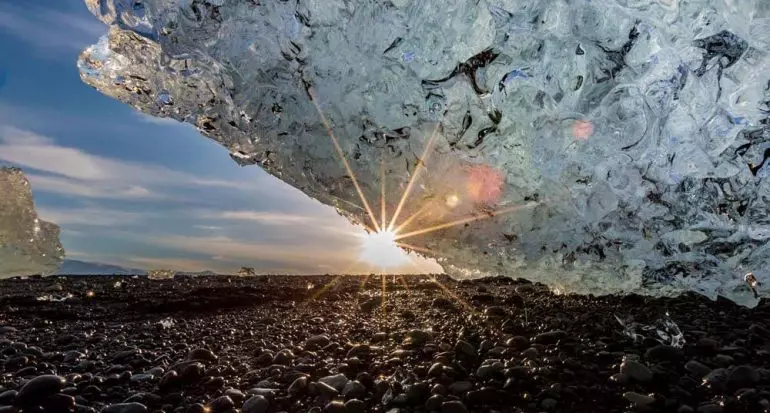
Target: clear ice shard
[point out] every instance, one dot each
(636, 131)
(28, 245)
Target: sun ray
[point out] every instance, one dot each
(411, 218)
(383, 211)
(406, 284)
(363, 282)
(452, 295)
(331, 283)
(341, 155)
(384, 292)
(420, 165)
(461, 221)
(325, 288)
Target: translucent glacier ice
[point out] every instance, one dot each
(637, 131)
(28, 245)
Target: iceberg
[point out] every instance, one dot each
(615, 146)
(28, 245)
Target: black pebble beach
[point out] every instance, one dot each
(335, 344)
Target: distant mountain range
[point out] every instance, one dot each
(75, 267)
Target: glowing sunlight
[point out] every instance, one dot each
(380, 249)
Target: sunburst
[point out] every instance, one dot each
(385, 237)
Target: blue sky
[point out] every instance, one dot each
(143, 192)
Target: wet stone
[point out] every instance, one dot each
(550, 337)
(663, 352)
(202, 354)
(337, 381)
(710, 408)
(742, 376)
(453, 406)
(256, 404)
(353, 389)
(636, 371)
(222, 403)
(638, 399)
(125, 408)
(7, 397)
(283, 357)
(39, 388)
(196, 408)
(335, 407)
(355, 406)
(698, 369)
(59, 403)
(317, 342)
(298, 386)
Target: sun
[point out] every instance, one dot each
(380, 249)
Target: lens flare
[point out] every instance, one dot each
(485, 184)
(582, 130)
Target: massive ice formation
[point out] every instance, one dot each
(28, 246)
(636, 131)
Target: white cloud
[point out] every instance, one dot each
(52, 32)
(208, 227)
(73, 171)
(238, 250)
(265, 217)
(68, 186)
(92, 217)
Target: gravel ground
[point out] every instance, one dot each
(290, 344)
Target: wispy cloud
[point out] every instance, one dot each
(264, 217)
(66, 170)
(67, 186)
(235, 250)
(92, 217)
(52, 32)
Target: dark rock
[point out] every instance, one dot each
(197, 408)
(7, 397)
(298, 386)
(663, 352)
(337, 381)
(39, 388)
(59, 403)
(742, 376)
(636, 371)
(222, 403)
(698, 370)
(335, 407)
(710, 408)
(317, 342)
(550, 337)
(125, 408)
(434, 402)
(353, 389)
(256, 404)
(355, 406)
(453, 406)
(638, 399)
(716, 379)
(202, 354)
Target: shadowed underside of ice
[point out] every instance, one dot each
(28, 246)
(634, 131)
